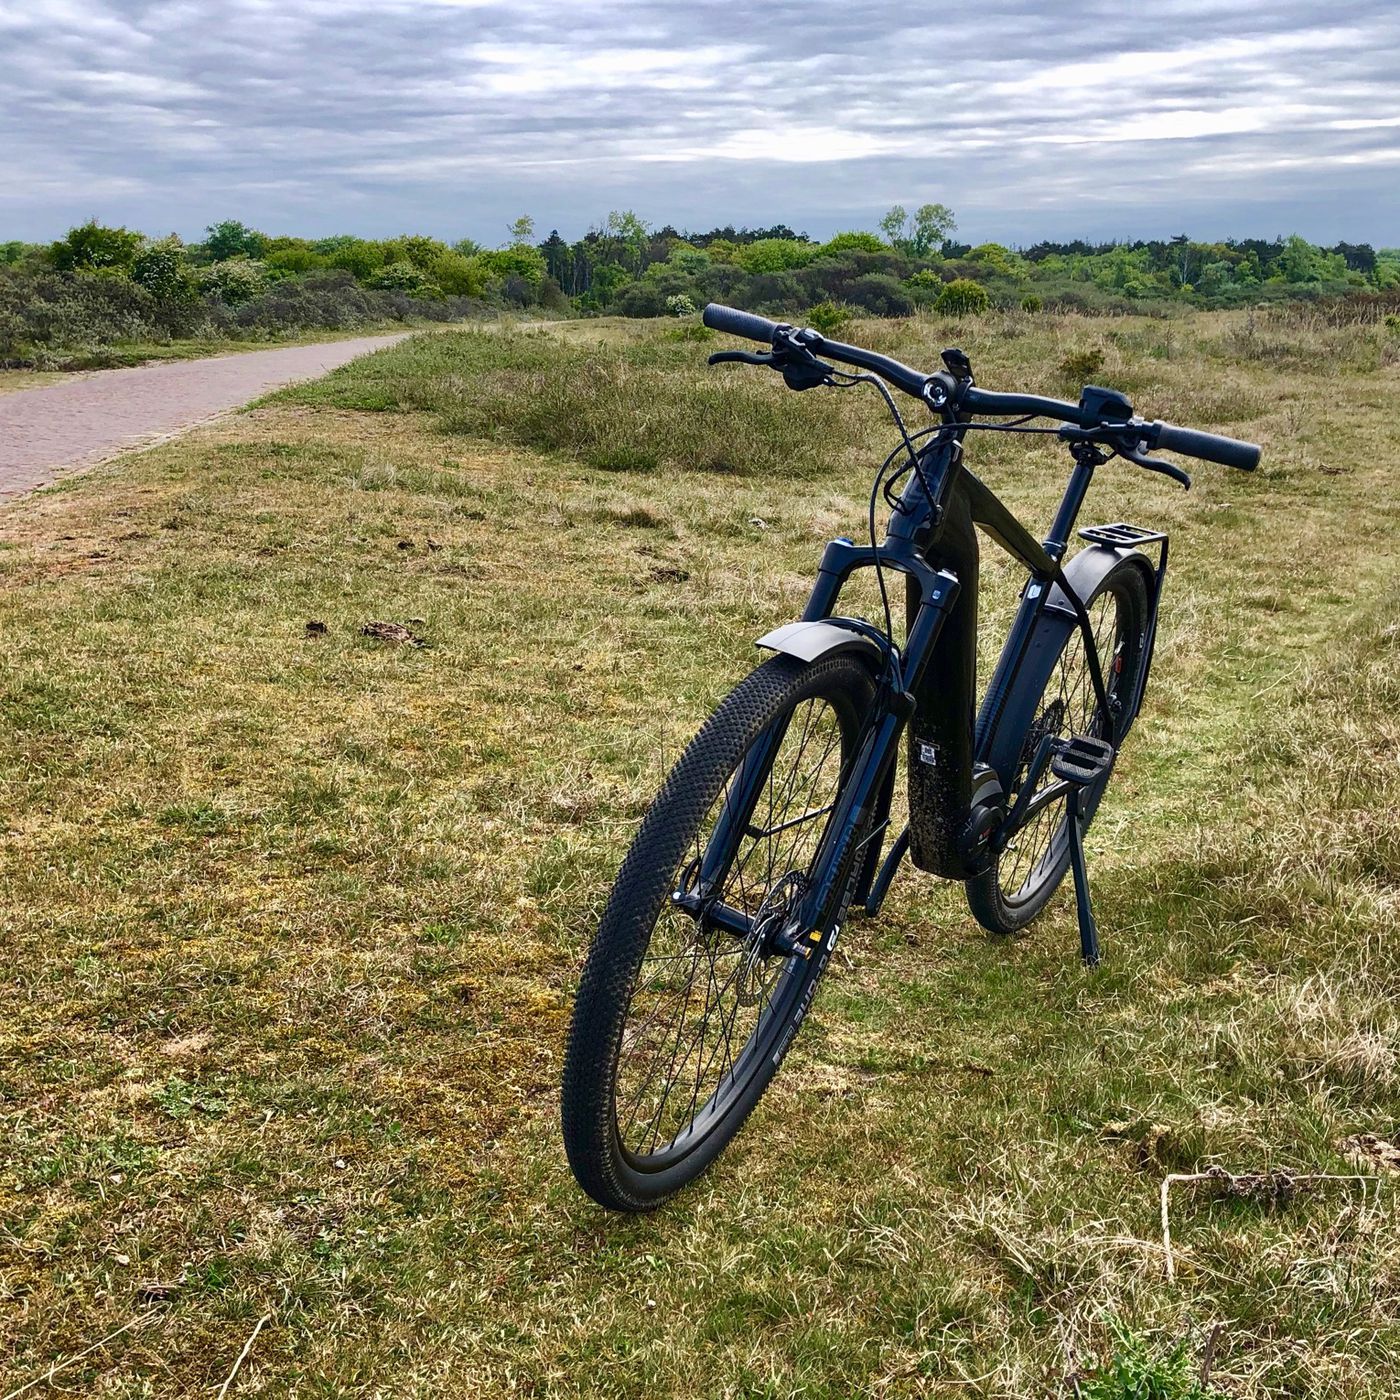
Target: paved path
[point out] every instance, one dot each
(48, 432)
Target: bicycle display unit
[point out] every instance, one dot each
(775, 820)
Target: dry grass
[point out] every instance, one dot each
(291, 921)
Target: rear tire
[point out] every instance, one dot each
(675, 994)
(1016, 887)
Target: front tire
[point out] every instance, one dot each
(681, 1020)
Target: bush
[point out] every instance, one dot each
(162, 269)
(881, 295)
(680, 305)
(234, 282)
(962, 297)
(232, 239)
(828, 316)
(457, 274)
(46, 311)
(520, 261)
(1079, 365)
(93, 247)
(851, 243)
(1032, 303)
(404, 276)
(774, 255)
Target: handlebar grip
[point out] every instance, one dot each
(1208, 447)
(732, 321)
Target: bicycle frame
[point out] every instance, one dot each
(932, 541)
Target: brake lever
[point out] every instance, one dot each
(1134, 455)
(744, 357)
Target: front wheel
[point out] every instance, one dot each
(1013, 891)
(693, 988)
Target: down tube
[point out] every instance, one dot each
(940, 734)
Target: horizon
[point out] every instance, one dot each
(544, 228)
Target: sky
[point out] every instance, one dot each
(1067, 118)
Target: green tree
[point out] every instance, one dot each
(92, 247)
(458, 276)
(521, 261)
(858, 242)
(232, 239)
(162, 269)
(522, 231)
(630, 237)
(934, 224)
(404, 276)
(922, 234)
(895, 226)
(774, 255)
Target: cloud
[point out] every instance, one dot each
(454, 115)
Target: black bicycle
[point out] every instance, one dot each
(774, 821)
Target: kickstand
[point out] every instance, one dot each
(1088, 930)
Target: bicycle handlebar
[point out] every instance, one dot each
(1187, 442)
(1208, 447)
(732, 321)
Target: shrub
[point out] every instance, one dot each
(680, 305)
(404, 276)
(774, 255)
(457, 274)
(881, 295)
(1079, 365)
(293, 257)
(519, 261)
(234, 282)
(46, 311)
(828, 316)
(642, 300)
(851, 243)
(962, 297)
(93, 247)
(414, 248)
(162, 269)
(1032, 303)
(232, 239)
(358, 256)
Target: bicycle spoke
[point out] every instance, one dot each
(700, 994)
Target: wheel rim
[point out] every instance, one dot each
(707, 1002)
(1069, 706)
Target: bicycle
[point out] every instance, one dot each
(772, 824)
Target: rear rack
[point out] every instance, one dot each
(1120, 536)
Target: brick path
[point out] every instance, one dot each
(46, 433)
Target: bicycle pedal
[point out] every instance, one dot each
(1082, 760)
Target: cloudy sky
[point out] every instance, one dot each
(1062, 118)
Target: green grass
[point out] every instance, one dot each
(292, 922)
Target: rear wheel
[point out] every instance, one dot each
(1013, 891)
(691, 992)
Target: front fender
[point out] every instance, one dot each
(809, 640)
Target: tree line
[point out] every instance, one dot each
(101, 283)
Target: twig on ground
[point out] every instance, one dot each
(1208, 1357)
(1273, 1186)
(243, 1355)
(87, 1351)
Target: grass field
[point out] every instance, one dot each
(291, 921)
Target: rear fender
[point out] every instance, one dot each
(1057, 623)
